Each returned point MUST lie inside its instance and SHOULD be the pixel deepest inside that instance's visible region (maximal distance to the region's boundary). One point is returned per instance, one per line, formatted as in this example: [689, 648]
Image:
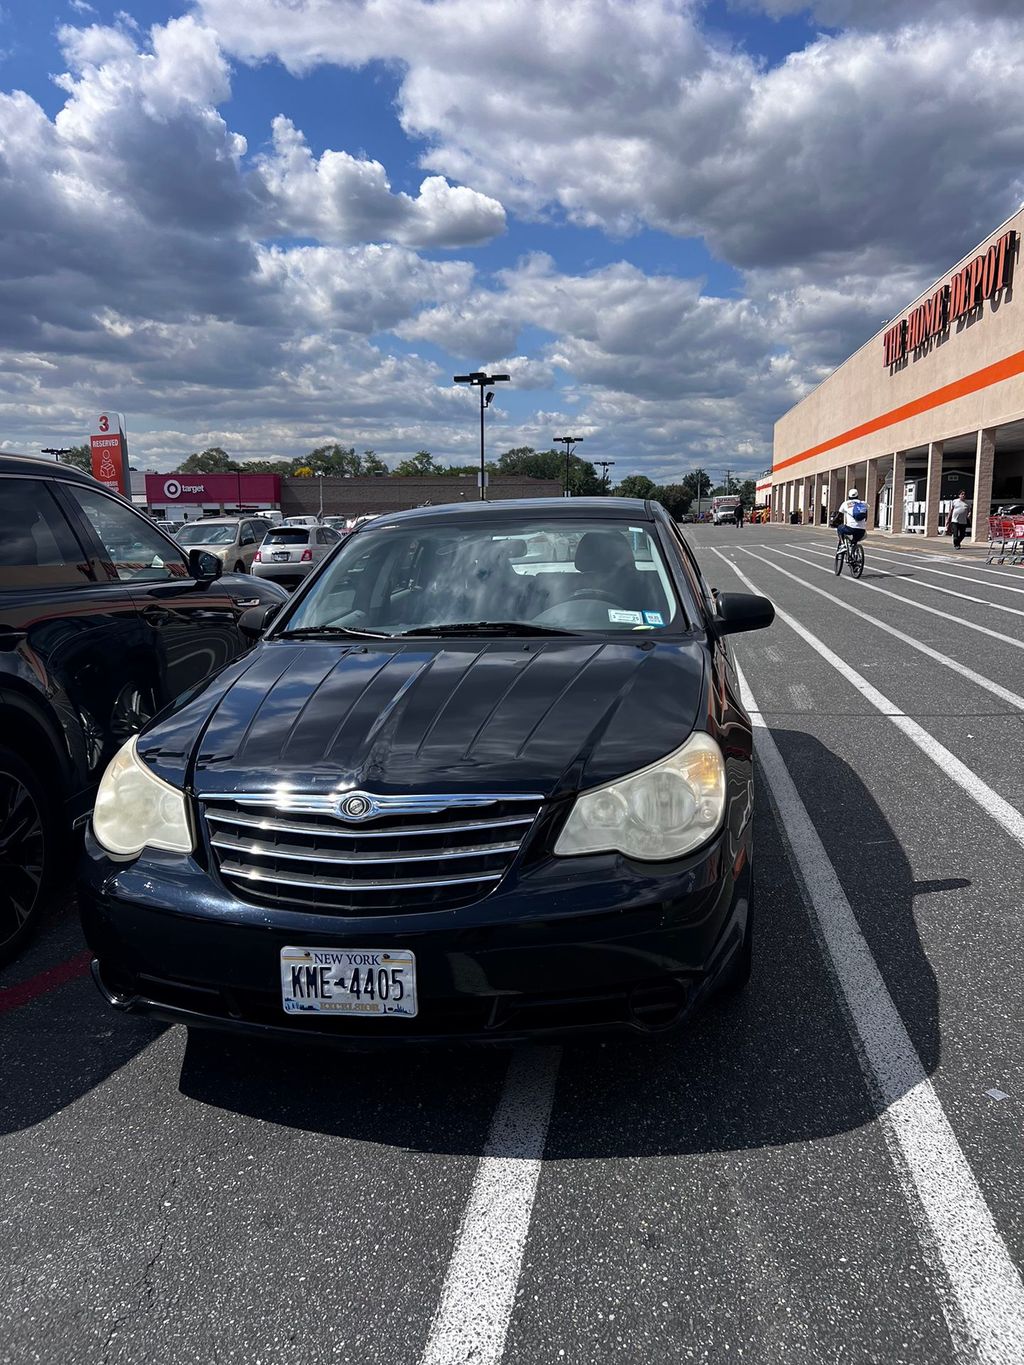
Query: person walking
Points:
[739, 515]
[960, 516]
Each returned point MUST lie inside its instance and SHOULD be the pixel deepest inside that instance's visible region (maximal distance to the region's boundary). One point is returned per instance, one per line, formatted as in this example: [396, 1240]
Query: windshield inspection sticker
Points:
[626, 618]
[654, 618]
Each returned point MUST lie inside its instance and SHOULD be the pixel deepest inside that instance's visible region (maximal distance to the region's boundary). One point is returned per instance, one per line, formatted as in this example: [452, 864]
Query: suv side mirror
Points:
[742, 611]
[203, 566]
[253, 622]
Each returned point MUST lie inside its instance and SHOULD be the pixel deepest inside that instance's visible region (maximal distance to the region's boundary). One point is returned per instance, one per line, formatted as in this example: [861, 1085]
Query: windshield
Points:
[198, 534]
[288, 535]
[548, 576]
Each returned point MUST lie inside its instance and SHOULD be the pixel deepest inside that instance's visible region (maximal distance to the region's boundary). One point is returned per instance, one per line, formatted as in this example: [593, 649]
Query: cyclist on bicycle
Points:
[851, 518]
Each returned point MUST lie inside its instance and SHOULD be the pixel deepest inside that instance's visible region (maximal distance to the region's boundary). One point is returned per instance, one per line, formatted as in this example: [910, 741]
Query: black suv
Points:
[103, 621]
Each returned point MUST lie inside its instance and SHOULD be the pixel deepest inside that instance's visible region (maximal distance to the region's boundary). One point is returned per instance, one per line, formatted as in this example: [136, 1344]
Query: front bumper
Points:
[574, 946]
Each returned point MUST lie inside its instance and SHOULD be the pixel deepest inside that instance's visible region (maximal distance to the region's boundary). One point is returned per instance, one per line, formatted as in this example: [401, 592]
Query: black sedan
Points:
[487, 775]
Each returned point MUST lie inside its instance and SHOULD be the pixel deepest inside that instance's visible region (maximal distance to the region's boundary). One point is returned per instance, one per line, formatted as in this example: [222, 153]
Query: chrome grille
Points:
[415, 853]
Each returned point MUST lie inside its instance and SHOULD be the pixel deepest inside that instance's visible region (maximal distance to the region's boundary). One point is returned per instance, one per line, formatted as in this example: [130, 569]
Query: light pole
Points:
[605, 465]
[482, 381]
[568, 442]
[320, 479]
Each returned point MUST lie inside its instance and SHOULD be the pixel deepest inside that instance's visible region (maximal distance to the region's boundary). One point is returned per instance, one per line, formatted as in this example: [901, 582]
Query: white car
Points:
[301, 521]
[289, 553]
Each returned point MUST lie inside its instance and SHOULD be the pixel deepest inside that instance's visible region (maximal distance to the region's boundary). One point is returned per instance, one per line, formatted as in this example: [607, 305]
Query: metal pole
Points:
[567, 449]
[483, 486]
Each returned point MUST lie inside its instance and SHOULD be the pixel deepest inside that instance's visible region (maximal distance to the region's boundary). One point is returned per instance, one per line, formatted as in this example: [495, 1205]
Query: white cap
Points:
[853, 493]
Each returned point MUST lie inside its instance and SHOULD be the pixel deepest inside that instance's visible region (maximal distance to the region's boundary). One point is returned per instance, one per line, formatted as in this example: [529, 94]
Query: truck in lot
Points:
[725, 509]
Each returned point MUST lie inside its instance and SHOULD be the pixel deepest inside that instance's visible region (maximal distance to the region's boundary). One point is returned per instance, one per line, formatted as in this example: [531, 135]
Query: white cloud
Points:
[340, 198]
[894, 142]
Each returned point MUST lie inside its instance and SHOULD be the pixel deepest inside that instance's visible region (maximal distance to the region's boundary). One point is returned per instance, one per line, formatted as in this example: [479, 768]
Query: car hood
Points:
[445, 716]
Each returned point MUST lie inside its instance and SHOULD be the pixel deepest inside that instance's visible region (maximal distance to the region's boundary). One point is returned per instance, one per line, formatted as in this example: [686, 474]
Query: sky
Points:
[270, 224]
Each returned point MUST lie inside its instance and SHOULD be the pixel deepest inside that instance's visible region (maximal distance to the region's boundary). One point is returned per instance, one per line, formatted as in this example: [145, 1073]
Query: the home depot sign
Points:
[981, 279]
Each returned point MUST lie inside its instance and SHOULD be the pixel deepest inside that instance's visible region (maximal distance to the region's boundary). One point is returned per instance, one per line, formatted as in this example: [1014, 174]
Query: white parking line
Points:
[969, 562]
[932, 587]
[876, 553]
[479, 1289]
[1004, 693]
[983, 1301]
[968, 781]
[908, 601]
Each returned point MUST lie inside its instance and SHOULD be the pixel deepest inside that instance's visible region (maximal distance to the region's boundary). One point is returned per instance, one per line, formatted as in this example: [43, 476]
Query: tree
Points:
[674, 497]
[267, 466]
[697, 483]
[417, 465]
[302, 471]
[341, 461]
[212, 460]
[636, 486]
[79, 457]
[373, 464]
[528, 463]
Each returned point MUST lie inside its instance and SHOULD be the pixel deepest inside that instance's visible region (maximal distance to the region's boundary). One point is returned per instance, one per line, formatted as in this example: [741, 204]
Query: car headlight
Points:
[661, 812]
[135, 809]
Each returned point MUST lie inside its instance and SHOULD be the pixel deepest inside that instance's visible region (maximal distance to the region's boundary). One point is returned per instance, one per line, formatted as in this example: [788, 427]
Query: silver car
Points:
[289, 553]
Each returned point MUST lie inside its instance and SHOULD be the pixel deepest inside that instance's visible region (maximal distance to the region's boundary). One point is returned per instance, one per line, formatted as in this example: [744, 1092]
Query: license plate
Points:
[361, 982]
[281, 556]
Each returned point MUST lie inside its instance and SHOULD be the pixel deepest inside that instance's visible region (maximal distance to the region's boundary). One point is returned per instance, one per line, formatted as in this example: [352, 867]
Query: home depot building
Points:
[933, 403]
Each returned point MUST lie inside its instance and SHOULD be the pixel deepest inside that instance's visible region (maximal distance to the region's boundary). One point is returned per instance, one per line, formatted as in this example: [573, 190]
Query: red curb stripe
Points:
[24, 991]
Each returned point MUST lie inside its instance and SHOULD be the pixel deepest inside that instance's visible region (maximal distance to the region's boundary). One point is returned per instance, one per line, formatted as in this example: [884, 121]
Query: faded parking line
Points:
[983, 1300]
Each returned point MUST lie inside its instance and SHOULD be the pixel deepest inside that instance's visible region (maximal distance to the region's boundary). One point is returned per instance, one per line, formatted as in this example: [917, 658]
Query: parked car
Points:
[336, 523]
[234, 540]
[103, 621]
[452, 792]
[301, 521]
[289, 553]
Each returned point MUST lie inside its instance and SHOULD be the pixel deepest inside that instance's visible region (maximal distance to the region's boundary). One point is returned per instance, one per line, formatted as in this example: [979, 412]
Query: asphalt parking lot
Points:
[828, 1168]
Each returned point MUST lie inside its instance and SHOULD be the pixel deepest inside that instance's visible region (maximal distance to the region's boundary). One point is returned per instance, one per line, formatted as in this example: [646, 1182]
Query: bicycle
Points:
[853, 552]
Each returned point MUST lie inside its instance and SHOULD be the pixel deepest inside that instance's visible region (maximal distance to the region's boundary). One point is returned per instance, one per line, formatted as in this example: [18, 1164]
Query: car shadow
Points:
[63, 1040]
[773, 1066]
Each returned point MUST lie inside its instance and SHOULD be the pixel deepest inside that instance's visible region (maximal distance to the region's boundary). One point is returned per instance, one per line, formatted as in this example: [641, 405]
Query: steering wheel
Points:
[594, 595]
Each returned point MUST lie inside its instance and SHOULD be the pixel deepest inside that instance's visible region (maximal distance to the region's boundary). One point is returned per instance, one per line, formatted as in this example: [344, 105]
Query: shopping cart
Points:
[1005, 540]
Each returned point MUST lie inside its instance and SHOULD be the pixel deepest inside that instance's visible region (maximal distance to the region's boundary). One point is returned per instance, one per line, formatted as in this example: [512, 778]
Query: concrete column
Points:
[984, 459]
[871, 483]
[816, 499]
[835, 497]
[808, 496]
[899, 478]
[932, 488]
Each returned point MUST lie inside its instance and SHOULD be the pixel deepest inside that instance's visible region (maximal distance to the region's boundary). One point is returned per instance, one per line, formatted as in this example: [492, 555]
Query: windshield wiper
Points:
[310, 632]
[486, 628]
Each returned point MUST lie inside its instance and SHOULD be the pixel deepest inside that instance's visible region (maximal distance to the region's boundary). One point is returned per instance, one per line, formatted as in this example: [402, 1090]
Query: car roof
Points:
[514, 509]
[36, 467]
[219, 521]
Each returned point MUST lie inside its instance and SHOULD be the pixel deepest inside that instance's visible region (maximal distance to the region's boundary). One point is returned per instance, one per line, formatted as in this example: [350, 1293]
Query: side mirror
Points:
[742, 611]
[253, 622]
[203, 566]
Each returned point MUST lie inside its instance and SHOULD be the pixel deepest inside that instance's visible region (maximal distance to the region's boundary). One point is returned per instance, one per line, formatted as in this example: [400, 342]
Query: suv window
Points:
[38, 548]
[133, 548]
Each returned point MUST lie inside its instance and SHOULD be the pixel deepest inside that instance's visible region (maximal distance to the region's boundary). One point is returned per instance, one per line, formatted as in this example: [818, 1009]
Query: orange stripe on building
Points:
[981, 379]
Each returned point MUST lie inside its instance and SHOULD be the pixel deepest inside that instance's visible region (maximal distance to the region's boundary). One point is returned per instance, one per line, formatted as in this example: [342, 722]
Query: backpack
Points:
[859, 511]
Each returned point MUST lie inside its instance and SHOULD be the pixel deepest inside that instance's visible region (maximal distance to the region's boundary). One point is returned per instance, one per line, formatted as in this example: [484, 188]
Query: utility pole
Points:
[568, 442]
[605, 466]
[56, 451]
[482, 381]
